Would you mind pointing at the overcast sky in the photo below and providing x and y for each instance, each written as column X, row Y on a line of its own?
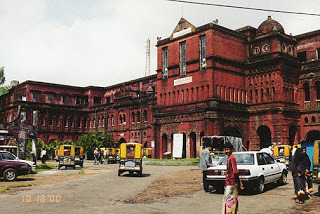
column 102, row 42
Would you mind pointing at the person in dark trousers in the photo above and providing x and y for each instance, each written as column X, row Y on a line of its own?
column 204, row 163
column 232, row 183
column 299, row 168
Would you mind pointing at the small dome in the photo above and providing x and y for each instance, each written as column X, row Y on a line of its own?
column 270, row 25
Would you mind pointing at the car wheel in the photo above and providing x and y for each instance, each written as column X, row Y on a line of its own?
column 10, row 175
column 119, row 173
column 260, row 185
column 283, row 179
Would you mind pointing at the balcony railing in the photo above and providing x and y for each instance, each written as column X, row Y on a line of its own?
column 307, row 104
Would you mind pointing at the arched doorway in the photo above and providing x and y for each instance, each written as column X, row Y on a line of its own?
column 312, row 136
column 193, row 145
column 292, row 134
column 265, row 136
column 232, row 131
column 122, row 140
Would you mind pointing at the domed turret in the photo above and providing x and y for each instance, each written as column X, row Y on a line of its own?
column 270, row 25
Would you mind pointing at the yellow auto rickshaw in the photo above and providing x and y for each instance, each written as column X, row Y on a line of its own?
column 69, row 155
column 130, row 158
column 281, row 153
column 316, row 163
column 146, row 152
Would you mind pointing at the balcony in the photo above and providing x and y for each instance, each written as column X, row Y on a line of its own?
column 307, row 105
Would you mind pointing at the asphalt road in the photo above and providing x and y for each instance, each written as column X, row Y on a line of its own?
column 107, row 193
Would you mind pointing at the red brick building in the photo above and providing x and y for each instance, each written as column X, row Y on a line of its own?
column 259, row 84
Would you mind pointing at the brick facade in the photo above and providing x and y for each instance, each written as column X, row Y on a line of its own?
column 259, row 84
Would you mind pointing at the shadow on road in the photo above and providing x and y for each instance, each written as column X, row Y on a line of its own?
column 135, row 175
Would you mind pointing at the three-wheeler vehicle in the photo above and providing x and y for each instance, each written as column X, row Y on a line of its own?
column 282, row 153
column 112, row 155
column 146, row 152
column 130, row 158
column 316, row 163
column 69, row 155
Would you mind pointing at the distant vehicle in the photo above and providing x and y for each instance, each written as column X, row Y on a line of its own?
column 255, row 170
column 12, row 149
column 316, row 163
column 69, row 155
column 10, row 169
column 282, row 153
column 9, row 156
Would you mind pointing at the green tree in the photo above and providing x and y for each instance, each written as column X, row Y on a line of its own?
column 96, row 139
column 3, row 89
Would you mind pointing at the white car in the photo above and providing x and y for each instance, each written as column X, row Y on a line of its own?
column 9, row 156
column 255, row 170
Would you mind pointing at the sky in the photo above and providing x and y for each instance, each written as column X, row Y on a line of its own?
column 103, row 42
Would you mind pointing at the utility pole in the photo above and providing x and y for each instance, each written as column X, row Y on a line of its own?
column 147, row 69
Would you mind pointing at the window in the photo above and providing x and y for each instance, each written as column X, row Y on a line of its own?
column 65, row 122
column 35, row 95
column 133, row 117
column 145, row 115
column 107, row 100
column 50, row 121
column 165, row 62
column 138, row 117
column 302, row 56
column 71, row 122
column 77, row 100
column 57, row 122
column 112, row 121
column 64, row 99
column 317, row 84
column 50, row 97
column 268, row 158
column 183, row 60
column 97, row 100
column 261, row 160
column 203, row 51
column 318, row 53
column 42, row 121
column 306, row 92
column 79, row 122
column 7, row 156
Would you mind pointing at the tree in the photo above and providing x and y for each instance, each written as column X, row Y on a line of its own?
column 96, row 139
column 3, row 89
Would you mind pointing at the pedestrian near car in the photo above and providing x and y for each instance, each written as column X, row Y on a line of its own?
column 204, row 163
column 298, row 167
column 232, row 182
column 96, row 156
column 307, row 164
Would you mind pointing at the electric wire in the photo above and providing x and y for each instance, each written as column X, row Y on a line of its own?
column 246, row 8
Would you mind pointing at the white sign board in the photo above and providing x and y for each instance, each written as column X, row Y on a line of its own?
column 177, row 145
column 182, row 81
column 152, row 144
column 182, row 32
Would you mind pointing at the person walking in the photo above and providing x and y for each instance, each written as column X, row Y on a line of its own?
column 43, row 156
column 298, row 169
column 204, row 163
column 232, row 182
column 96, row 156
column 306, row 163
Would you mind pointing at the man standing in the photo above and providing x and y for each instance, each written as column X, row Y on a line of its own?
column 232, row 181
column 43, row 156
column 204, row 163
column 96, row 156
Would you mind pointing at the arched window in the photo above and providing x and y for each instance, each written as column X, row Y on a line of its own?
column 133, row 117
column 138, row 116
column 306, row 120
column 317, row 84
column 145, row 115
column 306, row 92
column 313, row 119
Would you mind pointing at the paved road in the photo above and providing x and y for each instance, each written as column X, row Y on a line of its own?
column 107, row 193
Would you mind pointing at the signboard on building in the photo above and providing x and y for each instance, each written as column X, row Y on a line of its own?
column 177, row 145
column 182, row 81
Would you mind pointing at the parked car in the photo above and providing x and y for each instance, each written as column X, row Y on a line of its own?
column 255, row 170
column 10, row 169
column 9, row 156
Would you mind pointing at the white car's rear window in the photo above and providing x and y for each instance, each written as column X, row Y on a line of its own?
column 242, row 159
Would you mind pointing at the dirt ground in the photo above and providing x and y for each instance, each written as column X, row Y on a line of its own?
column 178, row 183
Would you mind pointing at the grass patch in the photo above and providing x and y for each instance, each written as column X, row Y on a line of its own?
column 81, row 172
column 43, row 167
column 6, row 189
